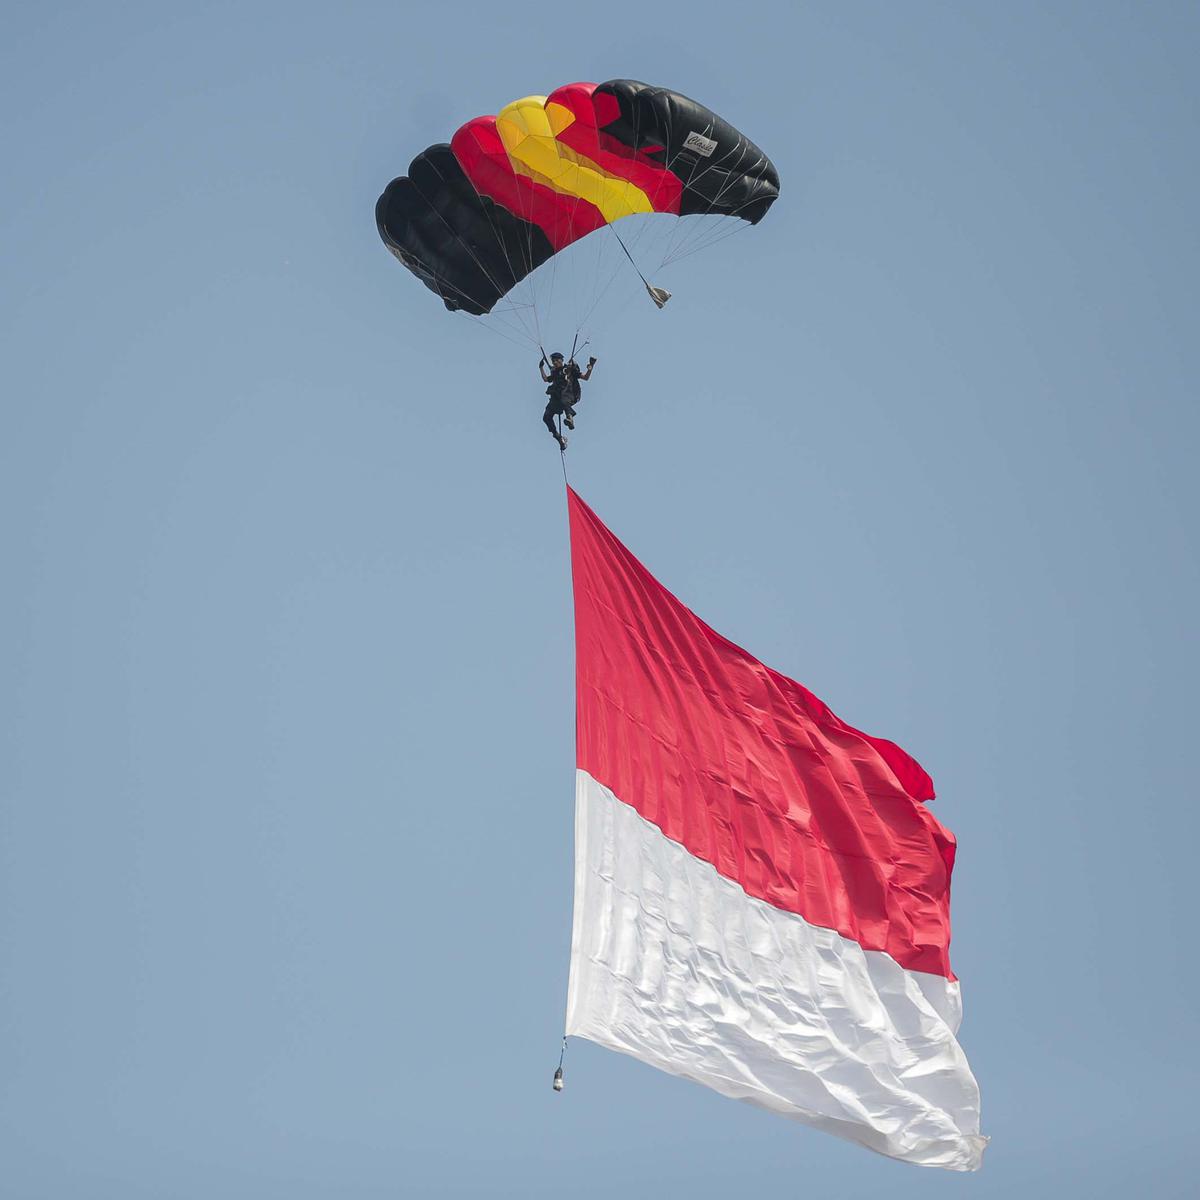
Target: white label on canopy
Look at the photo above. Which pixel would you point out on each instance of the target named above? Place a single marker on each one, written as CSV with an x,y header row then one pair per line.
x,y
699,143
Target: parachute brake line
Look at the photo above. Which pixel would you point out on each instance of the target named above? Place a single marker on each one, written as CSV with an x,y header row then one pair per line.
x,y
660,296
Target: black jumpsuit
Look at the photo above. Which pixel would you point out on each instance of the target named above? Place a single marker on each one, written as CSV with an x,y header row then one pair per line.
x,y
564,392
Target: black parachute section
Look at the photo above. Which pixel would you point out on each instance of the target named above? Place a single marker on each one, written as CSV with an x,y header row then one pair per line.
x,y
458,243
723,172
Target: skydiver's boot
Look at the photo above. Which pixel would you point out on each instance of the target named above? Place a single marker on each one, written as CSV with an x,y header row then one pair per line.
x,y
562,441
569,418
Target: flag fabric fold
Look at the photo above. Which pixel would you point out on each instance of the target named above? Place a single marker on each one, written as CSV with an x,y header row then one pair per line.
x,y
761,894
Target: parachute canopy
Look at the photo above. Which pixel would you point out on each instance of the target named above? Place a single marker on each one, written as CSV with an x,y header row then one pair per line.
x,y
475,217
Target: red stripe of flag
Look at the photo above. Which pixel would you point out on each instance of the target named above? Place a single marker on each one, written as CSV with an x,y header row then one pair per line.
x,y
747,769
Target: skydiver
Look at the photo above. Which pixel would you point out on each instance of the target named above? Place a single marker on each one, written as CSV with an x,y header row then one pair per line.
x,y
564,391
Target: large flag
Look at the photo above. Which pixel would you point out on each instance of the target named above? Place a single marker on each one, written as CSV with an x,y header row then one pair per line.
x,y
762,897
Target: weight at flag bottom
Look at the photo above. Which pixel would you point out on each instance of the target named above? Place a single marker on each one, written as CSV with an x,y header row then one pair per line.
x,y
761,894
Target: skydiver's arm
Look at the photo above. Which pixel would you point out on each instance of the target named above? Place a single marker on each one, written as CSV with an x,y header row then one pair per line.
x,y
542,371
588,373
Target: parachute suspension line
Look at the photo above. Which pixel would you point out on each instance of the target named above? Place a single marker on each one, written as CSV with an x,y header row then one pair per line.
x,y
479,323
612,278
528,283
466,246
646,227
691,243
589,303
629,256
698,238
444,282
659,295
534,334
577,346
576,279
706,243
638,226
684,230
687,183
690,237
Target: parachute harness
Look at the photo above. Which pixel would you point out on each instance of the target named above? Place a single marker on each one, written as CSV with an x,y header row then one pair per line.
x,y
562,455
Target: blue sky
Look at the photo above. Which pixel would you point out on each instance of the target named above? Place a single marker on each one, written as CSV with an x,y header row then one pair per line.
x,y
286,720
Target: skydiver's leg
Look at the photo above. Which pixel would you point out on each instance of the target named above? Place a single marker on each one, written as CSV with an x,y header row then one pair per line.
x,y
552,410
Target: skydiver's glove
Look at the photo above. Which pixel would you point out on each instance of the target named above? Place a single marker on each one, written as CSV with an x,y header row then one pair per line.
x,y
592,361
